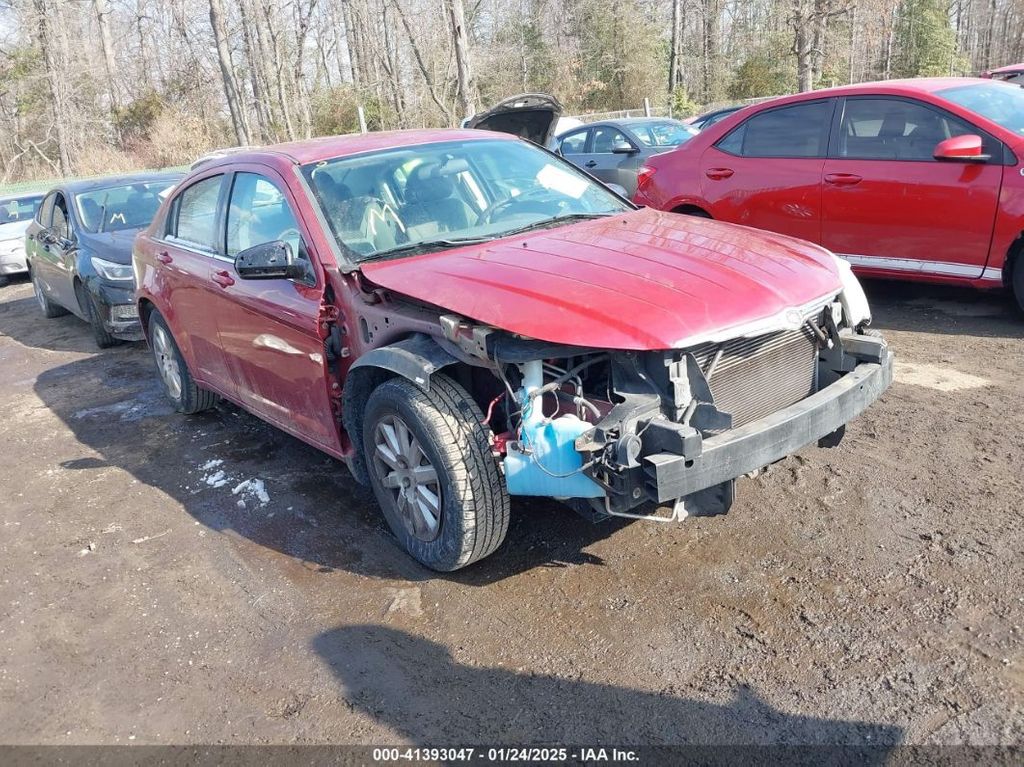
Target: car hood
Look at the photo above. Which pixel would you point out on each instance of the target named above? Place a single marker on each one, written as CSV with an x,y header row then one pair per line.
x,y
532,116
14,230
643,280
113,246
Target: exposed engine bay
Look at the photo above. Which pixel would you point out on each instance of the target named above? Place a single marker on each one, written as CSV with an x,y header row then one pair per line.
x,y
610,432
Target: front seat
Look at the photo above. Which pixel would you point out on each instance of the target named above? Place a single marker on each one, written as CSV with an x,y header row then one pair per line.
x,y
431,204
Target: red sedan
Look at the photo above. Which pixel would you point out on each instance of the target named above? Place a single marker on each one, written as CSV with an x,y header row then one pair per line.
x,y
916,179
462,317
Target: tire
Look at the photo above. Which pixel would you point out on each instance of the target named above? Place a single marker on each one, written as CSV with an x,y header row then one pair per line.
x,y
1018,282
472,512
4,280
103,339
49,309
187,396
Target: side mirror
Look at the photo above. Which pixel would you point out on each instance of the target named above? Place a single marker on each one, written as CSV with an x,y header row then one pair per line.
x,y
624,147
48,237
966,148
269,261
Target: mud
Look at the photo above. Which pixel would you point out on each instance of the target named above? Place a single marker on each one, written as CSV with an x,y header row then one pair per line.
x,y
210,580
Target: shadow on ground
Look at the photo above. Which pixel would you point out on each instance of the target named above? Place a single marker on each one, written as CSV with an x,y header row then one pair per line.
x,y
416,687
114,405
943,309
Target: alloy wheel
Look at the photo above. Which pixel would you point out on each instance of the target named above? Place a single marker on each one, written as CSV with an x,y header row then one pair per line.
x,y
403,468
167,362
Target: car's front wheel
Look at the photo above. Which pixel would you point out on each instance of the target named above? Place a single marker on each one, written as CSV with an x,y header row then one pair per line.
x,y
103,338
1018,282
188,397
429,458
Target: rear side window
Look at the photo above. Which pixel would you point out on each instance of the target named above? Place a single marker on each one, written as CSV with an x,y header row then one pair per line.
x,y
194,220
800,130
574,143
894,129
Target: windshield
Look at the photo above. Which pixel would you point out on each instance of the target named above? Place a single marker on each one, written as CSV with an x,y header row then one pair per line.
x,y
121,207
662,133
19,209
412,199
1001,103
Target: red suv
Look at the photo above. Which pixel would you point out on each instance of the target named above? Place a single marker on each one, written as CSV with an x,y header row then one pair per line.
x,y
462,316
917,179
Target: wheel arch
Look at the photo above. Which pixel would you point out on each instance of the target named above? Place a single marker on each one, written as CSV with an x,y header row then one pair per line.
x,y
689,209
415,358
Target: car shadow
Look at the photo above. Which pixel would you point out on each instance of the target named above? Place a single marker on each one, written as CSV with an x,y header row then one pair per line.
x,y
22,320
317,514
944,309
414,686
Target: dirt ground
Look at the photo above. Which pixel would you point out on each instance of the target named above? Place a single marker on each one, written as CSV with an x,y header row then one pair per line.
x,y
873,593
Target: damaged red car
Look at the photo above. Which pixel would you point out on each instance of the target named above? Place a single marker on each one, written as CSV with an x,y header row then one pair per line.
x,y
462,317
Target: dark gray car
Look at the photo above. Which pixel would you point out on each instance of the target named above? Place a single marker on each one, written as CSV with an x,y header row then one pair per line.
x,y
613,150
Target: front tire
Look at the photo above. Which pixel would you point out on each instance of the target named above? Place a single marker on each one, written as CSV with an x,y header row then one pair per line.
x,y
187,396
428,454
92,314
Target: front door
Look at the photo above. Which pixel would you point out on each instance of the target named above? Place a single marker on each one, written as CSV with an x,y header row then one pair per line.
x,y
610,166
889,206
269,328
766,172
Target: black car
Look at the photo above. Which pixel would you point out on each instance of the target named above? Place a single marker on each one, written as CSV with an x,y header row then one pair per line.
x,y
79,250
612,151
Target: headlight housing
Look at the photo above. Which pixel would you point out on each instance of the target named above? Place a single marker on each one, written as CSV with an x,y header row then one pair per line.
x,y
855,303
109,270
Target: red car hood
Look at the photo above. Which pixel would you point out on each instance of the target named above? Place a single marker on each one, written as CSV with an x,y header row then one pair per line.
x,y
642,280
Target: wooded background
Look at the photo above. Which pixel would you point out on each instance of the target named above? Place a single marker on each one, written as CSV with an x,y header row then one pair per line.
x,y
93,86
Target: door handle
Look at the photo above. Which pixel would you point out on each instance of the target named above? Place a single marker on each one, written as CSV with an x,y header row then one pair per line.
x,y
842,179
223,279
590,164
717,174
164,257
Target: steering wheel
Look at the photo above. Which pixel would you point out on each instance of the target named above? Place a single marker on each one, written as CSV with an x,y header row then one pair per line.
x,y
531,202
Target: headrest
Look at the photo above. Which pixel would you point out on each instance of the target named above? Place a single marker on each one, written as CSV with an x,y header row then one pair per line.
x,y
426,184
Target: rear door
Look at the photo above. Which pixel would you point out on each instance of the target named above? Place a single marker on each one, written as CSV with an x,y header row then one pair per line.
x,y
190,252
889,205
57,255
35,239
766,172
269,328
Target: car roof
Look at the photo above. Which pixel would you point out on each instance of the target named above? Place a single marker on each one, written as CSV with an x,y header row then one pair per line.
x,y
1006,69
22,195
330,147
103,182
907,87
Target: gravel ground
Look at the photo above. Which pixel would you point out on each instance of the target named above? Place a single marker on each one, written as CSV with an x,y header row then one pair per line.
x,y
211,580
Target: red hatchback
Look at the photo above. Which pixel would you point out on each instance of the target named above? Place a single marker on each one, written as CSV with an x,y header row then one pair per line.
x,y
462,316
916,179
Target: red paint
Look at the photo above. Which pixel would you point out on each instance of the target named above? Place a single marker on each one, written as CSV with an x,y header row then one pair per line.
x,y
958,212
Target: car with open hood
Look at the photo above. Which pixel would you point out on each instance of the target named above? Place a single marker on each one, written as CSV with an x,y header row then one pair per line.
x,y
79,249
532,116
463,317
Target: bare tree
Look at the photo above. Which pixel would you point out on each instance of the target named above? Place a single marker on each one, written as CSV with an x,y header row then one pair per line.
x,y
460,44
227,72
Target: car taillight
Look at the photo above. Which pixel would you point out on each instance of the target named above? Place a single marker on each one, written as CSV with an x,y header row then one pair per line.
x,y
643,177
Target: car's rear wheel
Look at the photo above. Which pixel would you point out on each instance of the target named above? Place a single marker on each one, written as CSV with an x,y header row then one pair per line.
x,y
1018,282
49,309
103,339
429,458
187,396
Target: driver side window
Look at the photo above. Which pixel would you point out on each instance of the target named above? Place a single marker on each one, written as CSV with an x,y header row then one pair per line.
x,y
61,228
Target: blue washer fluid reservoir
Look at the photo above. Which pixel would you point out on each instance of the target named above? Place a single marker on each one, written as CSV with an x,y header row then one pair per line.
x,y
551,445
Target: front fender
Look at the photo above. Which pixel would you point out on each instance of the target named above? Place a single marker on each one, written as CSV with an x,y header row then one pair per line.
x,y
416,358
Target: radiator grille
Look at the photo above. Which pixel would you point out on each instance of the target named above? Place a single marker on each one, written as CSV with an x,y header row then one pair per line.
x,y
758,376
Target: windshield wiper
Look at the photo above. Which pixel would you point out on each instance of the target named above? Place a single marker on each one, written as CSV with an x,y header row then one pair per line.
x,y
564,219
424,247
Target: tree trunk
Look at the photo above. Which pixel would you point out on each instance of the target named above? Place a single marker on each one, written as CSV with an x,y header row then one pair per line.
x,y
460,44
673,54
102,8
227,72
56,87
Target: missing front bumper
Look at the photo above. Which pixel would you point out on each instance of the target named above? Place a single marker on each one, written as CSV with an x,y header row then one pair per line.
x,y
738,451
